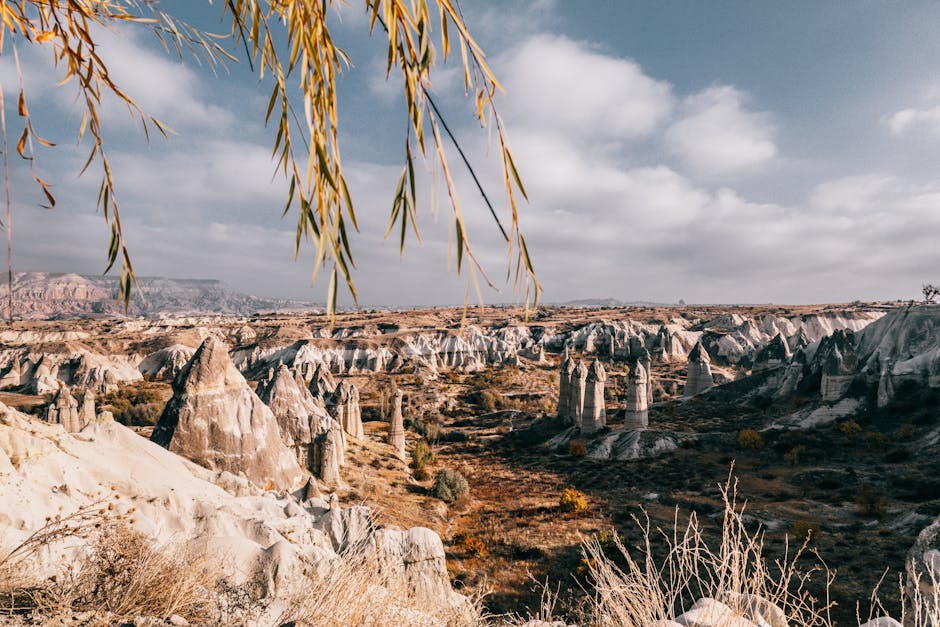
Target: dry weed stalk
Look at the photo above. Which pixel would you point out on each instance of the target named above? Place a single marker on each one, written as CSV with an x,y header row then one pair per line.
x,y
360,589
19,589
644,591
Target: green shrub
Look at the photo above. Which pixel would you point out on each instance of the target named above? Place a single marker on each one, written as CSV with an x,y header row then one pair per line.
x,y
750,439
449,485
421,454
135,406
573,500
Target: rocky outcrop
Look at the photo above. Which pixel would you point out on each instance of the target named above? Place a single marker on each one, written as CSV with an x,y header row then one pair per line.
x,y
345,409
636,406
923,566
48,295
218,422
329,456
667,347
300,418
646,360
396,426
594,415
564,388
64,411
793,376
167,362
578,385
699,376
775,355
839,365
270,545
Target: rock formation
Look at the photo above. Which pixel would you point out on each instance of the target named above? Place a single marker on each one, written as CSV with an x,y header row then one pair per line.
x,y
646,360
269,544
12,377
775,355
636,414
594,415
396,426
699,377
217,421
345,409
564,388
329,455
666,347
167,362
299,418
839,365
793,376
576,402
64,411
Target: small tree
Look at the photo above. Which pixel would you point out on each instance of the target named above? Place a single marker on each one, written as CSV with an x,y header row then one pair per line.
x,y
930,292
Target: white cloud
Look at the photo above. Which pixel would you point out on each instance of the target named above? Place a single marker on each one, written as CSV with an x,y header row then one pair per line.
x,y
852,193
554,83
716,136
909,120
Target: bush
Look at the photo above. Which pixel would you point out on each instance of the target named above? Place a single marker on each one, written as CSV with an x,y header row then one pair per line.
x,y
871,502
429,429
488,400
421,456
139,406
802,530
795,455
577,448
573,500
849,427
449,485
471,545
750,439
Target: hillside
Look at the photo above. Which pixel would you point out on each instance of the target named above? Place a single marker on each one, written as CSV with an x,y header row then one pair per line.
x,y
51,296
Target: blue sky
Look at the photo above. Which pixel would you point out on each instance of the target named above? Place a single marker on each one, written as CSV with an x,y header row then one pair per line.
x,y
711,151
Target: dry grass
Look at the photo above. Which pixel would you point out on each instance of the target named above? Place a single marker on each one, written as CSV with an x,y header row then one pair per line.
x,y
127,576
640,590
361,590
124,575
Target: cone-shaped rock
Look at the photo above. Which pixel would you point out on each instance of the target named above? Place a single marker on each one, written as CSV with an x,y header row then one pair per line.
x,y
636,412
594,416
774,355
299,418
699,377
564,388
217,421
396,426
646,360
576,402
64,410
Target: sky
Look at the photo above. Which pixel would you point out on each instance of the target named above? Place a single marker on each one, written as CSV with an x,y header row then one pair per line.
x,y
715,152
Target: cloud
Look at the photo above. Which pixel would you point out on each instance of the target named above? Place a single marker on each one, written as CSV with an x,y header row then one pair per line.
x,y
554,83
909,120
716,136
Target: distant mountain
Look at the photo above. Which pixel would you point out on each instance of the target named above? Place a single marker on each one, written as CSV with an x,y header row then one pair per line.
x,y
611,302
48,295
